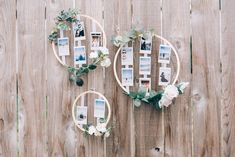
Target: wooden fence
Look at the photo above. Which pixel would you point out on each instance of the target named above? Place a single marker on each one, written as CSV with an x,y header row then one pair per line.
x,y
36,96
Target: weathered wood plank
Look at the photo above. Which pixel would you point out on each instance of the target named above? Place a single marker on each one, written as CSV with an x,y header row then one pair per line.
x,y
177,118
206,87
8,96
61,133
148,121
32,78
227,78
117,19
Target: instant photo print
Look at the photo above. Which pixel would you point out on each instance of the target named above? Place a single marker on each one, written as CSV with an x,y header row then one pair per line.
x,y
96,40
99,108
164,54
63,46
164,76
145,82
145,66
80,55
81,114
146,45
127,76
79,31
127,56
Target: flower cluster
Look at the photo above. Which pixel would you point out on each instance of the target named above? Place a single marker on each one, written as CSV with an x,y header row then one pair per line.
x,y
101,56
99,130
171,92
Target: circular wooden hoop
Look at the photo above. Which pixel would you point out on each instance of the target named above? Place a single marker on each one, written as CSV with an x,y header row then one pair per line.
x,y
90,92
154,35
102,30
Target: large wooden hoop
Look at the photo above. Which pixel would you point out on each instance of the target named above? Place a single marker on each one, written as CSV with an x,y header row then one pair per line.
x,y
92,19
90,92
154,35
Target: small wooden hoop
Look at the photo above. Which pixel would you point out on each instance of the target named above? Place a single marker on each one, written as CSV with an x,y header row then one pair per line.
x,y
154,35
90,92
92,19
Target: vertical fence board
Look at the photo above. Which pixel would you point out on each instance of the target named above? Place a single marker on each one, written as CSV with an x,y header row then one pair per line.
x,y
177,118
8,114
117,19
61,136
206,87
32,82
148,121
228,75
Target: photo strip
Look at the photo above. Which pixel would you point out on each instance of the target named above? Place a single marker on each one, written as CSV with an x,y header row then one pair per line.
x,y
63,46
146,45
81,114
164,76
145,66
146,83
127,56
79,31
80,55
96,40
99,108
164,54
127,76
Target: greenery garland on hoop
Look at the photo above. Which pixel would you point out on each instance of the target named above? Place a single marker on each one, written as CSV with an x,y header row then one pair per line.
x,y
157,99
64,22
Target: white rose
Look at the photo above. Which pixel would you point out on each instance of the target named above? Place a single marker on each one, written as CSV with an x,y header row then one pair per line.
x,y
171,92
101,127
107,134
93,55
104,50
183,85
164,101
106,62
97,133
91,130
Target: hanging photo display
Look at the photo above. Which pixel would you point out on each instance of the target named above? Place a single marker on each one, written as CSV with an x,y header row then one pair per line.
x,y
69,22
164,54
127,76
170,90
80,115
79,31
127,56
63,46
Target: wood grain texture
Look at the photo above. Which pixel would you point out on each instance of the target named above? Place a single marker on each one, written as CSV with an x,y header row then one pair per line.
x,y
227,78
148,121
8,96
61,132
206,87
177,118
31,78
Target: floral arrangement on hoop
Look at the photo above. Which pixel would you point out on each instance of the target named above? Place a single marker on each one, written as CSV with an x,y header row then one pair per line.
x,y
64,22
157,99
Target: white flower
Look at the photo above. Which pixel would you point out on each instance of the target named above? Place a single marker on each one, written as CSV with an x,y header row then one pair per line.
x,y
165,101
101,127
106,62
97,133
107,134
91,130
171,92
93,55
182,86
104,50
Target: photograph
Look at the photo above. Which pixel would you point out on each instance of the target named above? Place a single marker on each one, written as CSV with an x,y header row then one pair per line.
x,y
127,56
81,114
164,54
145,66
145,82
99,108
164,76
96,40
80,55
146,45
63,46
127,77
79,31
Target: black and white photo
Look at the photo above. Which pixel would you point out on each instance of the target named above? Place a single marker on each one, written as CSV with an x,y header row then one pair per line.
x,y
146,45
79,31
81,114
164,54
79,55
127,55
63,46
164,76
